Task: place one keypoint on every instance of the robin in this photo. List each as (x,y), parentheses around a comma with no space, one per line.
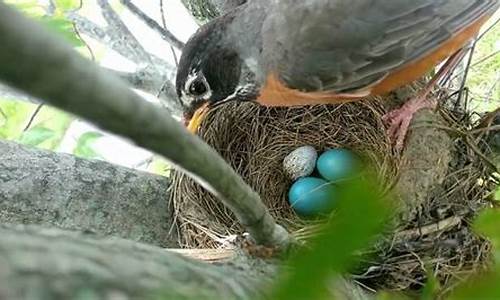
(305,52)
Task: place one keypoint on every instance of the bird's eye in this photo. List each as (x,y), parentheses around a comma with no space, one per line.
(198,88)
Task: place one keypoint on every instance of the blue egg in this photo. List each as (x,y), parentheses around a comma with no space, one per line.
(310,196)
(338,164)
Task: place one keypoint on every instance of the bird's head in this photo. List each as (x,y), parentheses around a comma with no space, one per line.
(210,73)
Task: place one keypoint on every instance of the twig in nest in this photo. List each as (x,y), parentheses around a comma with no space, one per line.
(467,139)
(486,129)
(443,225)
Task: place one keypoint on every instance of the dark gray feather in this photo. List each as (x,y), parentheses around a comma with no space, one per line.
(345,45)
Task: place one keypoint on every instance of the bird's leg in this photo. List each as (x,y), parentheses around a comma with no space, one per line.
(399,119)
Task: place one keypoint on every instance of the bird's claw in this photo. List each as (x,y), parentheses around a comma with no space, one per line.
(399,119)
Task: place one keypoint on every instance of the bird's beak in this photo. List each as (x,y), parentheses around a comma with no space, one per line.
(197,118)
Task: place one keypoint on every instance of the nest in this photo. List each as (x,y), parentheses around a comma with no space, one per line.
(440,240)
(254,140)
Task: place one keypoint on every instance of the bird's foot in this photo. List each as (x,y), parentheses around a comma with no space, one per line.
(399,119)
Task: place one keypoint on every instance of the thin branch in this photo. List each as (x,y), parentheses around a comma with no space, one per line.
(68,81)
(77,32)
(2,113)
(488,29)
(156,78)
(51,8)
(164,24)
(149,81)
(33,116)
(485,58)
(486,129)
(466,72)
(167,88)
(441,226)
(114,39)
(142,79)
(114,21)
(117,40)
(165,34)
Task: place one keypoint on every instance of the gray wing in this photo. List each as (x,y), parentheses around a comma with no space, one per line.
(344,45)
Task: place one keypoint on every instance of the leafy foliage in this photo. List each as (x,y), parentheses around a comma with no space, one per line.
(358,219)
(36,135)
(63,27)
(160,166)
(488,224)
(13,118)
(484,77)
(66,4)
(484,286)
(47,129)
(56,22)
(84,145)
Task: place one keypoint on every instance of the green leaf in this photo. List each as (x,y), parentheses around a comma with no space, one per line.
(431,287)
(57,23)
(360,216)
(67,4)
(50,118)
(36,135)
(481,287)
(64,28)
(13,118)
(384,295)
(160,166)
(488,224)
(84,145)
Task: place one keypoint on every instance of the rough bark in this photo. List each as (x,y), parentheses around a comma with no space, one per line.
(424,163)
(54,189)
(42,264)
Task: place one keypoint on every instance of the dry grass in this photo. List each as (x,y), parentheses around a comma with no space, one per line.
(254,140)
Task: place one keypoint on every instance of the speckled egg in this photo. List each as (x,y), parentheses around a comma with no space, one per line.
(338,164)
(300,162)
(311,196)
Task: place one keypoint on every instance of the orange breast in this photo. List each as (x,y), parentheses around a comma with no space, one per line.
(275,93)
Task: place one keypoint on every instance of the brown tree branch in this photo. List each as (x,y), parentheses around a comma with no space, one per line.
(68,81)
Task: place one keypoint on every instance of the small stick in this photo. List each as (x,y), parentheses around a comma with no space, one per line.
(165,34)
(443,225)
